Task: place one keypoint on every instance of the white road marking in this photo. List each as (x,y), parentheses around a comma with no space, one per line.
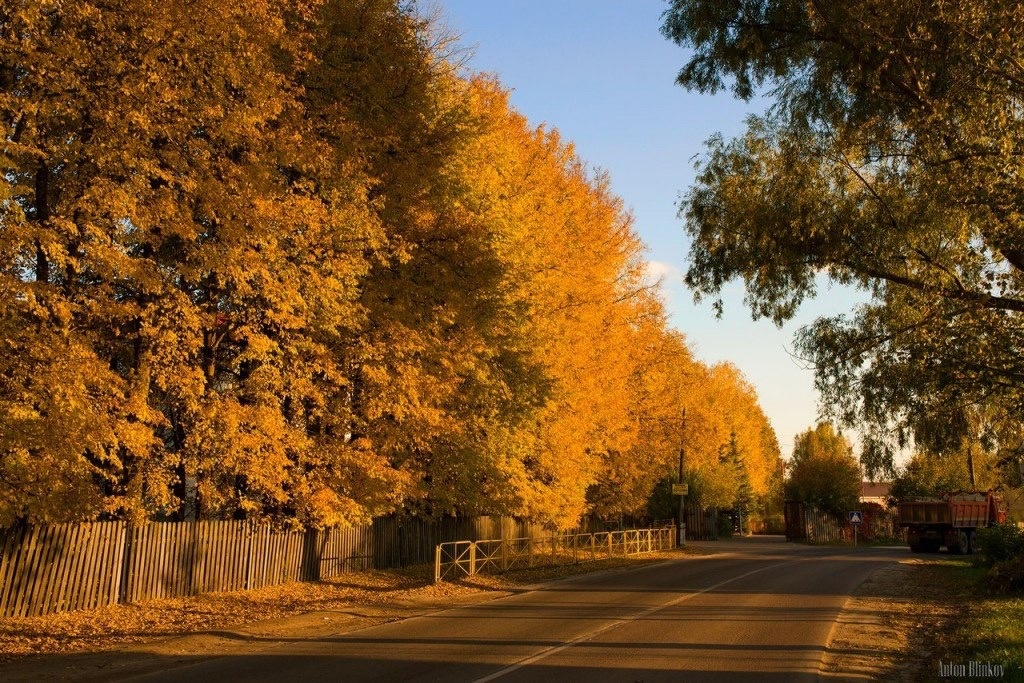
(555,649)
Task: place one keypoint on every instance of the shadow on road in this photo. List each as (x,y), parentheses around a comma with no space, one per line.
(761,612)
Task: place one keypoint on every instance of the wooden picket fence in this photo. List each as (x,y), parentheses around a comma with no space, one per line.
(701,523)
(64,567)
(61,567)
(807,523)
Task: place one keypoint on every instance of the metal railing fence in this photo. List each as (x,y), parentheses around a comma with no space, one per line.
(469,558)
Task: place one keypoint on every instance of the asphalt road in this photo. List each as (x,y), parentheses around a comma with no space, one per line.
(762,611)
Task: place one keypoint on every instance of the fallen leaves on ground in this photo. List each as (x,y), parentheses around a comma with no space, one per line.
(895,625)
(118,625)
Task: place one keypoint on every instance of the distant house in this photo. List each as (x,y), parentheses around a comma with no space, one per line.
(871,492)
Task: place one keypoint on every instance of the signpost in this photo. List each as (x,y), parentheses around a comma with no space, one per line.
(855,519)
(681,490)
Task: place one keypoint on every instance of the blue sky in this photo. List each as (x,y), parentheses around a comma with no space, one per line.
(600,72)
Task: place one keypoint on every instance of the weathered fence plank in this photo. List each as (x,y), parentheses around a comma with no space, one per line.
(806,523)
(57,568)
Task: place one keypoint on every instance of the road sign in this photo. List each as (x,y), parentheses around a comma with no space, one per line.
(855,517)
(680,489)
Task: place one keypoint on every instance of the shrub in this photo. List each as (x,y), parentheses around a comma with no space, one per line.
(724,525)
(878,524)
(1007,576)
(775,524)
(1001,542)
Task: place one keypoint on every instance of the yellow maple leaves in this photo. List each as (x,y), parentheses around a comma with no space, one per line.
(295,268)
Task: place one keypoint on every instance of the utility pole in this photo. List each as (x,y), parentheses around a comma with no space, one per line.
(682,501)
(682,498)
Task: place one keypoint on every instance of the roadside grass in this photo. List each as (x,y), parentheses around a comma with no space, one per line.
(912,620)
(999,635)
(989,627)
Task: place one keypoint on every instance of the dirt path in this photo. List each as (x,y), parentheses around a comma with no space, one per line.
(891,627)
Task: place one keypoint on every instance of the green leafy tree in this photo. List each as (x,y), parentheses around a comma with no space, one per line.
(927,474)
(770,505)
(825,472)
(889,161)
(744,500)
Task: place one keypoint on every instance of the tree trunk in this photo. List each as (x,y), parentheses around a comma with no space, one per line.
(209,356)
(970,465)
(42,206)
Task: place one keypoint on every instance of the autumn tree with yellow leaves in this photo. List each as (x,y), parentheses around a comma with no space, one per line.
(297,267)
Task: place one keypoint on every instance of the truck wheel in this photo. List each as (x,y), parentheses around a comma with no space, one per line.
(933,545)
(972,543)
(964,543)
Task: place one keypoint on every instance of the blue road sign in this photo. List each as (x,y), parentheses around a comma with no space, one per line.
(855,517)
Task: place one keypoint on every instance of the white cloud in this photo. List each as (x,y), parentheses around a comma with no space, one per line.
(657,270)
(665,277)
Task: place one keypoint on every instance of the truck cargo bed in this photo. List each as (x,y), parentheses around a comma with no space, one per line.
(962,510)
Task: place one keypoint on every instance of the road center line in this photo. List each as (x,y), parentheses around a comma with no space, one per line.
(555,649)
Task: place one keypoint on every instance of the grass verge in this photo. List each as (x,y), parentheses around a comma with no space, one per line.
(909,621)
(990,628)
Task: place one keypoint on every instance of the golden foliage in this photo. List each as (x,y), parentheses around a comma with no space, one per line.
(293,267)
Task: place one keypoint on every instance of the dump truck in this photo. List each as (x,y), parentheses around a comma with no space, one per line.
(950,521)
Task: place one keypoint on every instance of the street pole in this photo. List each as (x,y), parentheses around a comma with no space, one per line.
(682,501)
